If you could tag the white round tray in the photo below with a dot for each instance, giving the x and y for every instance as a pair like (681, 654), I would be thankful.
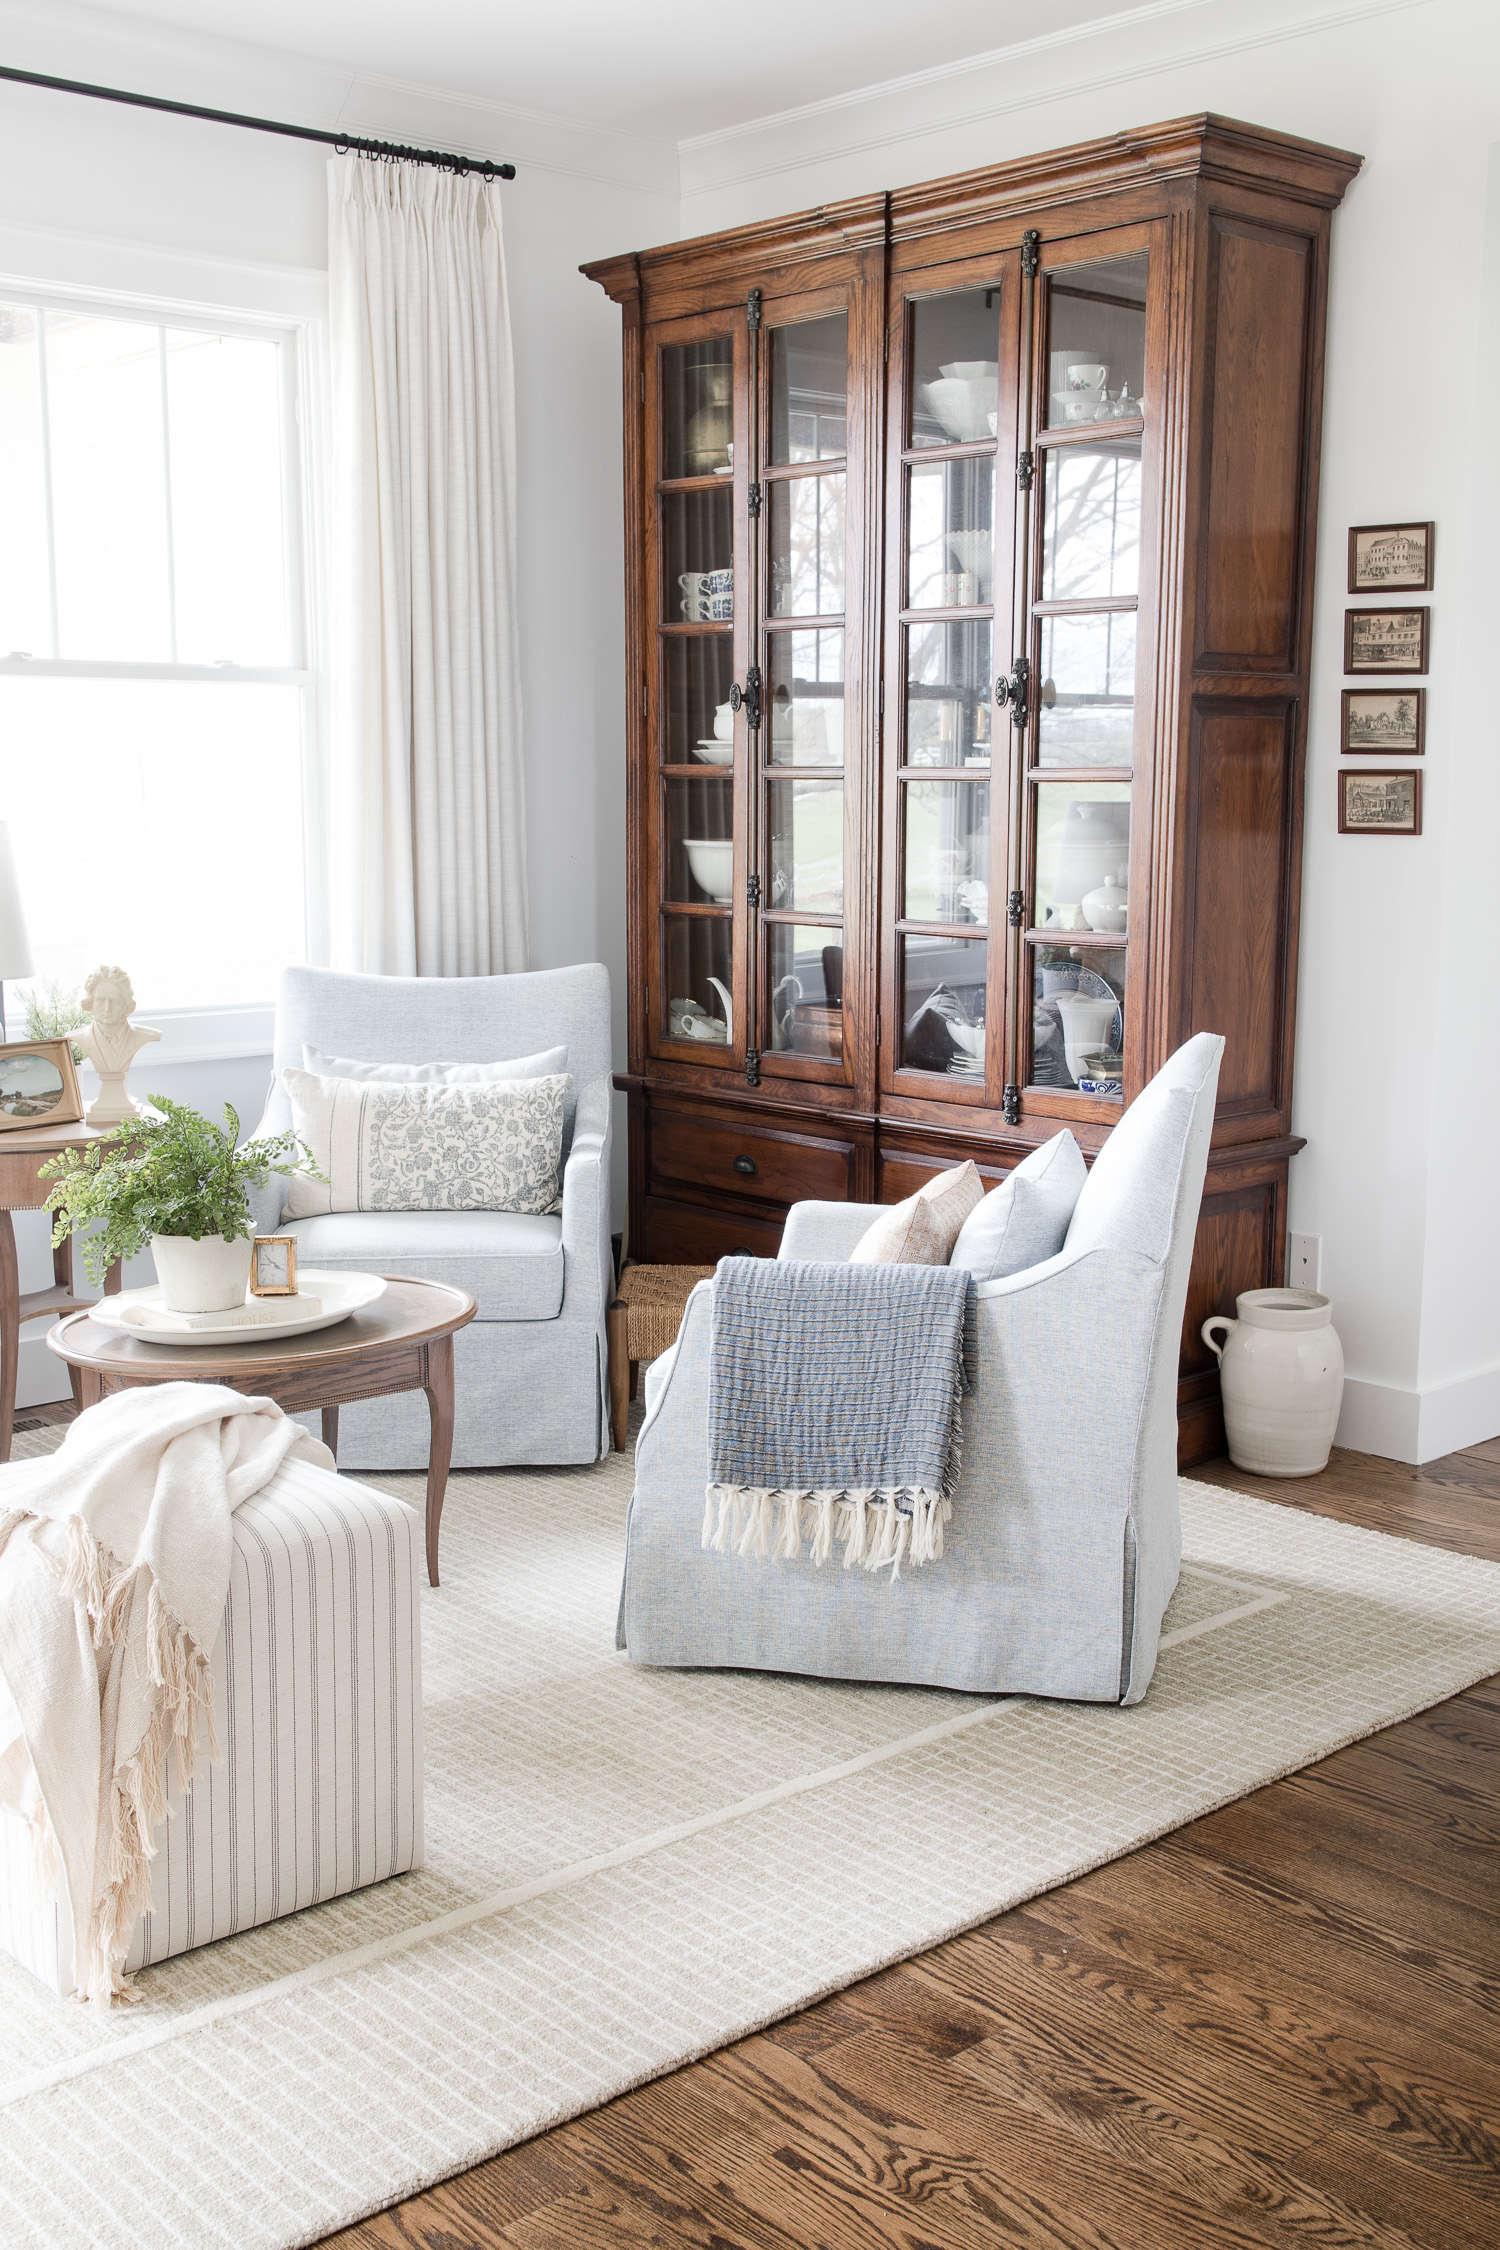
(136, 1311)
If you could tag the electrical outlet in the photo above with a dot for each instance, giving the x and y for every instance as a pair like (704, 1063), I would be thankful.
(1304, 1262)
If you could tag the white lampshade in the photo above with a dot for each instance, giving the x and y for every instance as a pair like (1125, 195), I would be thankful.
(15, 945)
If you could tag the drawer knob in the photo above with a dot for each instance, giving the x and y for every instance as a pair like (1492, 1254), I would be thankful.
(742, 1250)
(745, 1164)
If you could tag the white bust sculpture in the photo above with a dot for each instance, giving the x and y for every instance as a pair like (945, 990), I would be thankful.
(111, 1042)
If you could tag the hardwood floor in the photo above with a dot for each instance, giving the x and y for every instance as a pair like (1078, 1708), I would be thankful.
(1280, 2025)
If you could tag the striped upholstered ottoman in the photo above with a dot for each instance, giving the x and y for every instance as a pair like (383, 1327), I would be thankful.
(318, 1705)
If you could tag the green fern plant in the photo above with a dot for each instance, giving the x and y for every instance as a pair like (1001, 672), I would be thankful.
(168, 1173)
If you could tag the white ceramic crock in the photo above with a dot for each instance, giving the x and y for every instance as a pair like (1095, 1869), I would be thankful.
(209, 1275)
(1282, 1374)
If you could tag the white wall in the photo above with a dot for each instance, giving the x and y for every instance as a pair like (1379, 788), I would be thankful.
(1398, 1070)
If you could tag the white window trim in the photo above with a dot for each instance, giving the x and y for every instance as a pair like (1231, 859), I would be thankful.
(47, 268)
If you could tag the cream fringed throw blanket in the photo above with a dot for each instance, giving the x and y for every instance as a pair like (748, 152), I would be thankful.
(114, 1572)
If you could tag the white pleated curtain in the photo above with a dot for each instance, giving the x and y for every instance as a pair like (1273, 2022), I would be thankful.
(427, 817)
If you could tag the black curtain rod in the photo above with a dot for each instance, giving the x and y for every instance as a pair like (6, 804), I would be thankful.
(389, 151)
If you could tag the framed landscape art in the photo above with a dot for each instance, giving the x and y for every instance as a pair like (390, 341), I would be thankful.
(38, 1085)
(1383, 720)
(1380, 803)
(1385, 640)
(1390, 558)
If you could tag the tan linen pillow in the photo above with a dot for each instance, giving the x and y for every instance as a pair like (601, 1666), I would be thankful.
(922, 1230)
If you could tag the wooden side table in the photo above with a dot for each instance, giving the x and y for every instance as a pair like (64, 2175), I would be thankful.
(22, 1155)
(403, 1342)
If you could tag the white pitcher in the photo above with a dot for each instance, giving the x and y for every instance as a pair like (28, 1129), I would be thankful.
(1281, 1370)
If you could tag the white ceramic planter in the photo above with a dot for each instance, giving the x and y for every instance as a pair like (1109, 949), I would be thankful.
(1282, 1375)
(209, 1275)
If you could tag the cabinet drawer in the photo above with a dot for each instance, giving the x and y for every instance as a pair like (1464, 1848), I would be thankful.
(747, 1160)
(681, 1234)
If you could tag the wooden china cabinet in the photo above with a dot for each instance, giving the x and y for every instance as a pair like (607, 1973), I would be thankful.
(969, 558)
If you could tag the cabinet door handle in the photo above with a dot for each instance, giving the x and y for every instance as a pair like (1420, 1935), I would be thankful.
(742, 1250)
(745, 1164)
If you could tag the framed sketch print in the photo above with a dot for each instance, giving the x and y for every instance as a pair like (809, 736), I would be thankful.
(1390, 558)
(1385, 640)
(1387, 720)
(1376, 803)
(38, 1085)
(273, 1266)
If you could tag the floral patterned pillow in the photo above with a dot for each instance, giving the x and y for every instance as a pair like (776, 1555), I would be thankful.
(491, 1147)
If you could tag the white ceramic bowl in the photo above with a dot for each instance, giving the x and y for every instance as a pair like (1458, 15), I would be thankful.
(716, 753)
(972, 371)
(963, 408)
(712, 863)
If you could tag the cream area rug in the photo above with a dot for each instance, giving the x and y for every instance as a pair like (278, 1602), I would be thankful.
(630, 1868)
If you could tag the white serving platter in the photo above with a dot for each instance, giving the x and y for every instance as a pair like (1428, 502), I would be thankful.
(259, 1320)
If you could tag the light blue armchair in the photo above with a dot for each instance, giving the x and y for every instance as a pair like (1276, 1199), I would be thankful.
(1064, 1545)
(530, 1371)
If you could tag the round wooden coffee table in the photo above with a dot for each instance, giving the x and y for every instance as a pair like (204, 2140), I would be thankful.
(403, 1342)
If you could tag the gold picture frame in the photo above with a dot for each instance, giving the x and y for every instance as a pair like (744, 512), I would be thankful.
(38, 1085)
(273, 1265)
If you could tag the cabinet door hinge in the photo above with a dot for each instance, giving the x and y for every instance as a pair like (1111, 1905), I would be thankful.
(752, 891)
(1031, 248)
(752, 308)
(645, 700)
(1011, 1105)
(643, 386)
(752, 1066)
(1025, 470)
(1015, 691)
(1015, 909)
(752, 499)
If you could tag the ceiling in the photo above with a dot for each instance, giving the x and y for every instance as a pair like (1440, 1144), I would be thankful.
(668, 69)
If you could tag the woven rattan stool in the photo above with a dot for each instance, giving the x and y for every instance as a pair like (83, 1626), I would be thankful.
(643, 1323)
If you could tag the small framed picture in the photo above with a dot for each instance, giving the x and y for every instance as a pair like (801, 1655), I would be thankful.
(1390, 558)
(273, 1266)
(38, 1085)
(1391, 720)
(1377, 803)
(1385, 640)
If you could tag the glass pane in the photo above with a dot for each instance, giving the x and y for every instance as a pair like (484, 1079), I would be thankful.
(697, 401)
(1091, 521)
(955, 367)
(807, 547)
(697, 723)
(1096, 340)
(1078, 1020)
(809, 389)
(942, 1005)
(807, 991)
(224, 423)
(109, 494)
(806, 687)
(947, 851)
(807, 846)
(948, 690)
(951, 534)
(1086, 714)
(25, 602)
(697, 557)
(1082, 855)
(156, 782)
(697, 952)
(698, 858)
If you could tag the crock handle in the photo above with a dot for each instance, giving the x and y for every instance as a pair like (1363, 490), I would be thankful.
(1220, 1320)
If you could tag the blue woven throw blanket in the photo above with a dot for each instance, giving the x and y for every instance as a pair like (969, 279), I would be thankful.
(835, 1409)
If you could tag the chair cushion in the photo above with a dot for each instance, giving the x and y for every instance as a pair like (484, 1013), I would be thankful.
(1025, 1219)
(510, 1263)
(922, 1230)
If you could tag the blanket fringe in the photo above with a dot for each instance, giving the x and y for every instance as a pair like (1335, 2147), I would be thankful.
(879, 1530)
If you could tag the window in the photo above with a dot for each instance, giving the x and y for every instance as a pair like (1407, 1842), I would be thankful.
(156, 697)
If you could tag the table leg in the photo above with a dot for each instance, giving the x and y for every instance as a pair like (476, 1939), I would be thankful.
(92, 1384)
(331, 1430)
(10, 1331)
(62, 1275)
(439, 1390)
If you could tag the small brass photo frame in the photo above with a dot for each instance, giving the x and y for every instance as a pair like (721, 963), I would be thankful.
(273, 1266)
(38, 1085)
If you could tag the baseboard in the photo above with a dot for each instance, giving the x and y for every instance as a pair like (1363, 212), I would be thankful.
(1406, 1424)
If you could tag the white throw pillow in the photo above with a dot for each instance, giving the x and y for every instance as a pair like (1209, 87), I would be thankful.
(426, 1148)
(545, 1065)
(922, 1230)
(1025, 1219)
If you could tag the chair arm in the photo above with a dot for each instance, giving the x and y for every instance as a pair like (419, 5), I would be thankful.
(677, 1401)
(267, 1203)
(588, 1255)
(827, 1232)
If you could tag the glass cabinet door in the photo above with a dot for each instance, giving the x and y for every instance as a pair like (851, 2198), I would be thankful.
(950, 537)
(1084, 558)
(698, 739)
